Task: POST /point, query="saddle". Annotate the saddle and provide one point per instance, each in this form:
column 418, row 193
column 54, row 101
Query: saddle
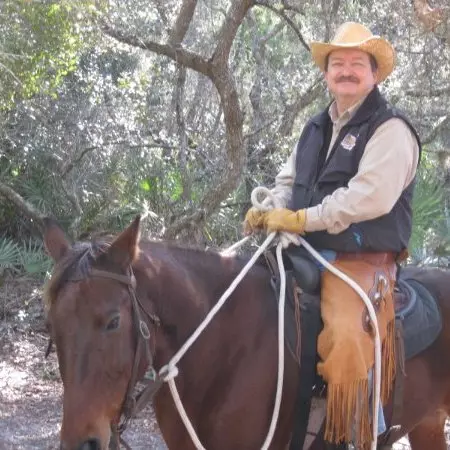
column 418, row 324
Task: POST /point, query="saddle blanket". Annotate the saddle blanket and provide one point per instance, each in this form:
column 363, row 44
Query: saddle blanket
column 421, row 317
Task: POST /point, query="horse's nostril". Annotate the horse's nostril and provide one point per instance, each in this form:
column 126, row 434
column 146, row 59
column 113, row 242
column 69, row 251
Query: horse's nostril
column 90, row 444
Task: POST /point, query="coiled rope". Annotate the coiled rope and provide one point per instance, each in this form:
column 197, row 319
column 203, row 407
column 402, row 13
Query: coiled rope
column 170, row 370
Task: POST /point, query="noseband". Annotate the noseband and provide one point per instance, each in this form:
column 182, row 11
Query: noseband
column 133, row 404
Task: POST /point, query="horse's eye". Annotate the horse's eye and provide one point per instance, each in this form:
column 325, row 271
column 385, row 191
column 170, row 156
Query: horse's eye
column 113, row 324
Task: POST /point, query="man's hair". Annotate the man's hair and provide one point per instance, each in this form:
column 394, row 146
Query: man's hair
column 373, row 62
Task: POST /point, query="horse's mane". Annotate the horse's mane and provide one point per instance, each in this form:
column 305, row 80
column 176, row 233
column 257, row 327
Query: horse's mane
column 75, row 265
column 78, row 262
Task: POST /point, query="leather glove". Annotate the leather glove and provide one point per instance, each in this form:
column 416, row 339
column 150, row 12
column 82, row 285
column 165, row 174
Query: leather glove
column 282, row 219
column 254, row 220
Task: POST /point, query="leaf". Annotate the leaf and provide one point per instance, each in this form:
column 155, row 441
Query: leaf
column 9, row 255
column 33, row 259
column 145, row 185
column 429, row 225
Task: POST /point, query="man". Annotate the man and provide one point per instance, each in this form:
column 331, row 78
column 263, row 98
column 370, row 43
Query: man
column 347, row 187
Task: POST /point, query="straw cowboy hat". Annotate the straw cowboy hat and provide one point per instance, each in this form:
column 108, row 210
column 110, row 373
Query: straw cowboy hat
column 355, row 35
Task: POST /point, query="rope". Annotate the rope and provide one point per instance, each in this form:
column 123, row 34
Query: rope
column 289, row 238
column 170, row 370
column 230, row 250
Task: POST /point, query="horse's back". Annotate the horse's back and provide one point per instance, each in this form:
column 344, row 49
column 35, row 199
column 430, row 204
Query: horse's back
column 427, row 386
column 436, row 280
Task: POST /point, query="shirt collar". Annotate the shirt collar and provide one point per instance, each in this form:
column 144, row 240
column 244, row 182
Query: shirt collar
column 347, row 114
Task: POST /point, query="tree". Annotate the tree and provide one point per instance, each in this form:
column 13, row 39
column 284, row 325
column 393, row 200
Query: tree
column 39, row 47
column 179, row 109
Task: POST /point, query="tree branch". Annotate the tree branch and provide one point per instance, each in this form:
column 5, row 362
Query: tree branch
column 182, row 56
column 443, row 123
column 258, row 130
column 182, row 23
column 25, row 208
column 73, row 199
column 295, row 6
column 436, row 92
column 181, row 129
column 429, row 17
column 217, row 69
column 227, row 33
column 223, row 80
column 292, row 110
column 283, row 15
column 191, row 221
column 158, row 143
column 443, row 150
column 260, row 78
column 76, row 160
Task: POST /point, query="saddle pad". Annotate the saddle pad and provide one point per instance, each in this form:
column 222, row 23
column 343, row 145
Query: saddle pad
column 422, row 322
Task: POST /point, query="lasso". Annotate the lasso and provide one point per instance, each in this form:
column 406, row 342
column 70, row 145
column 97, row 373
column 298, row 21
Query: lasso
column 170, row 370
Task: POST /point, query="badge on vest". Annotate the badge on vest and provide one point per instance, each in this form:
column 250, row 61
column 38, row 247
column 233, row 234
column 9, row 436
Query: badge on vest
column 349, row 141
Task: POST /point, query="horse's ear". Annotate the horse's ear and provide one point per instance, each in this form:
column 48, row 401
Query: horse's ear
column 55, row 240
column 124, row 249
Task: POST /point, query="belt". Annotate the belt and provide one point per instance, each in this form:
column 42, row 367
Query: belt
column 376, row 258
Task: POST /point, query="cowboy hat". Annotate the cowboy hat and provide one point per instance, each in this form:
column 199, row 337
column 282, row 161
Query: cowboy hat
column 356, row 36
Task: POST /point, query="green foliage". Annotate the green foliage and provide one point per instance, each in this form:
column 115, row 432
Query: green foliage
column 90, row 132
column 429, row 222
column 26, row 258
column 33, row 259
column 9, row 255
column 40, row 46
column 174, row 184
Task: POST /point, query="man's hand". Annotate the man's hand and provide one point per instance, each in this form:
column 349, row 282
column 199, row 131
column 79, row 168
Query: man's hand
column 282, row 219
column 254, row 220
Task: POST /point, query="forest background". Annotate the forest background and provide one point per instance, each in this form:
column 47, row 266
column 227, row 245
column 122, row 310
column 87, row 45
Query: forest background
column 177, row 109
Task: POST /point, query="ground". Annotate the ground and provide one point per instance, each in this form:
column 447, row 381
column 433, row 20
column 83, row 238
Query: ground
column 30, row 388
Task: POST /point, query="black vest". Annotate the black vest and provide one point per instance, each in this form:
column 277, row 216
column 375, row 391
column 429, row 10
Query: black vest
column 316, row 178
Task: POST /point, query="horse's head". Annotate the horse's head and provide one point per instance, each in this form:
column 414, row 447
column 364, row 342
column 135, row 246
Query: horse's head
column 91, row 316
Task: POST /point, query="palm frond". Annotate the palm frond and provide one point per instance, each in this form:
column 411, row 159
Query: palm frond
column 430, row 230
column 9, row 255
column 33, row 259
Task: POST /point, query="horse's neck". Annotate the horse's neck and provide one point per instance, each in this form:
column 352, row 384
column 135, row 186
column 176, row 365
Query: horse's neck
column 184, row 285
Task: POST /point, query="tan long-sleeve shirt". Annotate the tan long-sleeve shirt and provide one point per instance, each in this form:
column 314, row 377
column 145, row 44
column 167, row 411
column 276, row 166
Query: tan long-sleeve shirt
column 387, row 167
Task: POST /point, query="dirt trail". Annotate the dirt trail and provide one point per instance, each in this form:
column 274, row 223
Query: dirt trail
column 30, row 387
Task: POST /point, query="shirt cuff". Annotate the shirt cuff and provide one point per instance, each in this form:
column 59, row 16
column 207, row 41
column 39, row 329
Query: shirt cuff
column 313, row 220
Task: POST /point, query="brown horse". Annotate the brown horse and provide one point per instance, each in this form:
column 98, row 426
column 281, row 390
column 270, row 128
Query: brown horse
column 227, row 380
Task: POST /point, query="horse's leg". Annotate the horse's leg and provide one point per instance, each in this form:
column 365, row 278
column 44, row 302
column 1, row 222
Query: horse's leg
column 429, row 434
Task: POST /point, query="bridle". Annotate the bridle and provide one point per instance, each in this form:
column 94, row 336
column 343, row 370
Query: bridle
column 133, row 404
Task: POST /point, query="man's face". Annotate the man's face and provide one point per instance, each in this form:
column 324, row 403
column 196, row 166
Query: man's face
column 349, row 75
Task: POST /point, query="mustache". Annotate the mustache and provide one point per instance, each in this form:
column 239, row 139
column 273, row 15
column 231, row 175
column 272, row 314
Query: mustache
column 349, row 79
